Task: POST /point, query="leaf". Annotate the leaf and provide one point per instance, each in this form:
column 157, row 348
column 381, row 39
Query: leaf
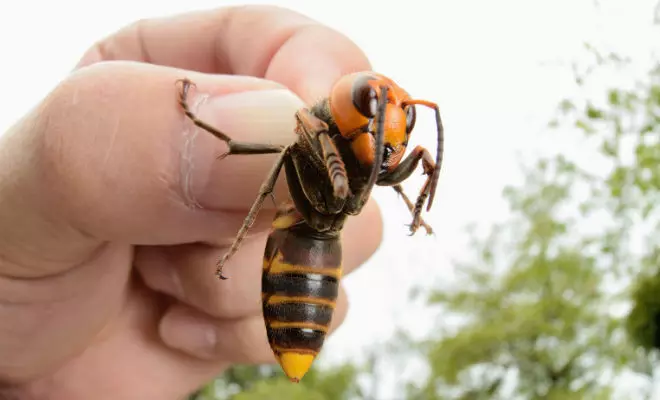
column 584, row 126
column 593, row 113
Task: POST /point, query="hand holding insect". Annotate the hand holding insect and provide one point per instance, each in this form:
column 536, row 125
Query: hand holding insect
column 104, row 270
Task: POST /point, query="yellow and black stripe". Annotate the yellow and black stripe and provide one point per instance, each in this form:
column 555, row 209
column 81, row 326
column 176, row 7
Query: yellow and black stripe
column 299, row 286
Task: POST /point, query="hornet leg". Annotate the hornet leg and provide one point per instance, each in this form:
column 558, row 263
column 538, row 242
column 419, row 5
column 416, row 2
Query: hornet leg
column 315, row 132
column 266, row 189
column 411, row 207
column 403, row 171
column 235, row 147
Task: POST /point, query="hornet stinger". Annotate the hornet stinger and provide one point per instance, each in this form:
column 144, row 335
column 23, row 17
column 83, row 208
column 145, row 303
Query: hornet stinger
column 346, row 143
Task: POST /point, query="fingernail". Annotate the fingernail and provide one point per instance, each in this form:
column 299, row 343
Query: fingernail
column 192, row 334
column 262, row 116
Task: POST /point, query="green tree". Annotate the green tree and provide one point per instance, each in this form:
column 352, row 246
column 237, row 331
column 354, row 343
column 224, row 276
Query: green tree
column 536, row 312
column 625, row 126
column 630, row 121
column 543, row 305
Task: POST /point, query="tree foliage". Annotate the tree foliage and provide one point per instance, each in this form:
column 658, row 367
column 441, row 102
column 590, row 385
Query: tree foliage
column 537, row 329
column 581, row 244
column 625, row 128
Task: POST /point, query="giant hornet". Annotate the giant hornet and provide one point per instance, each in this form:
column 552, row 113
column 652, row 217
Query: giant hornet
column 346, row 143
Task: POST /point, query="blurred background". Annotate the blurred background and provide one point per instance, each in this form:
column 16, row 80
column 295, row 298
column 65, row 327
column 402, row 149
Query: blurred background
column 542, row 280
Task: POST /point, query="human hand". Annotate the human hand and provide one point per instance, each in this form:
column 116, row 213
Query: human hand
column 113, row 208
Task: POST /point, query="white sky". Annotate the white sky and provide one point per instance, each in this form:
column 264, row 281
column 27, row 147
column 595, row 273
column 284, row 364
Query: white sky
column 497, row 69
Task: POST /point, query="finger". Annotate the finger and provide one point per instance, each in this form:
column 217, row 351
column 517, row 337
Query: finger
column 186, row 272
column 262, row 41
column 240, row 340
column 109, row 155
column 129, row 350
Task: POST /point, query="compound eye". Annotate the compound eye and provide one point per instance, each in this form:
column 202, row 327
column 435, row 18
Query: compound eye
column 365, row 99
column 411, row 117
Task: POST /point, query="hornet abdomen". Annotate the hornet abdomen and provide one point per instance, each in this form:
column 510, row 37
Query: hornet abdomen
column 299, row 286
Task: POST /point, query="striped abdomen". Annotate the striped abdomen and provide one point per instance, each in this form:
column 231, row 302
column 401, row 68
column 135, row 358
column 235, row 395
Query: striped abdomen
column 300, row 283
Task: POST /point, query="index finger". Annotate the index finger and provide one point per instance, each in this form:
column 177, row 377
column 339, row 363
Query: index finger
column 261, row 41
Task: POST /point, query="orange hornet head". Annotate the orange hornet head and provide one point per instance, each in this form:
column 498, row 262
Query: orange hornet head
column 354, row 104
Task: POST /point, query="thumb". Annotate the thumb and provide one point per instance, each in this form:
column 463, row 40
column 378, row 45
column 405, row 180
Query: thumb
column 110, row 156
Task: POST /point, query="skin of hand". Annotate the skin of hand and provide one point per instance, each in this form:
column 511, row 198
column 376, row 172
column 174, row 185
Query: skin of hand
column 114, row 208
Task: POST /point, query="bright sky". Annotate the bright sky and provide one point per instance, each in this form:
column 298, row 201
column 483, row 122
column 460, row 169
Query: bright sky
column 497, row 69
